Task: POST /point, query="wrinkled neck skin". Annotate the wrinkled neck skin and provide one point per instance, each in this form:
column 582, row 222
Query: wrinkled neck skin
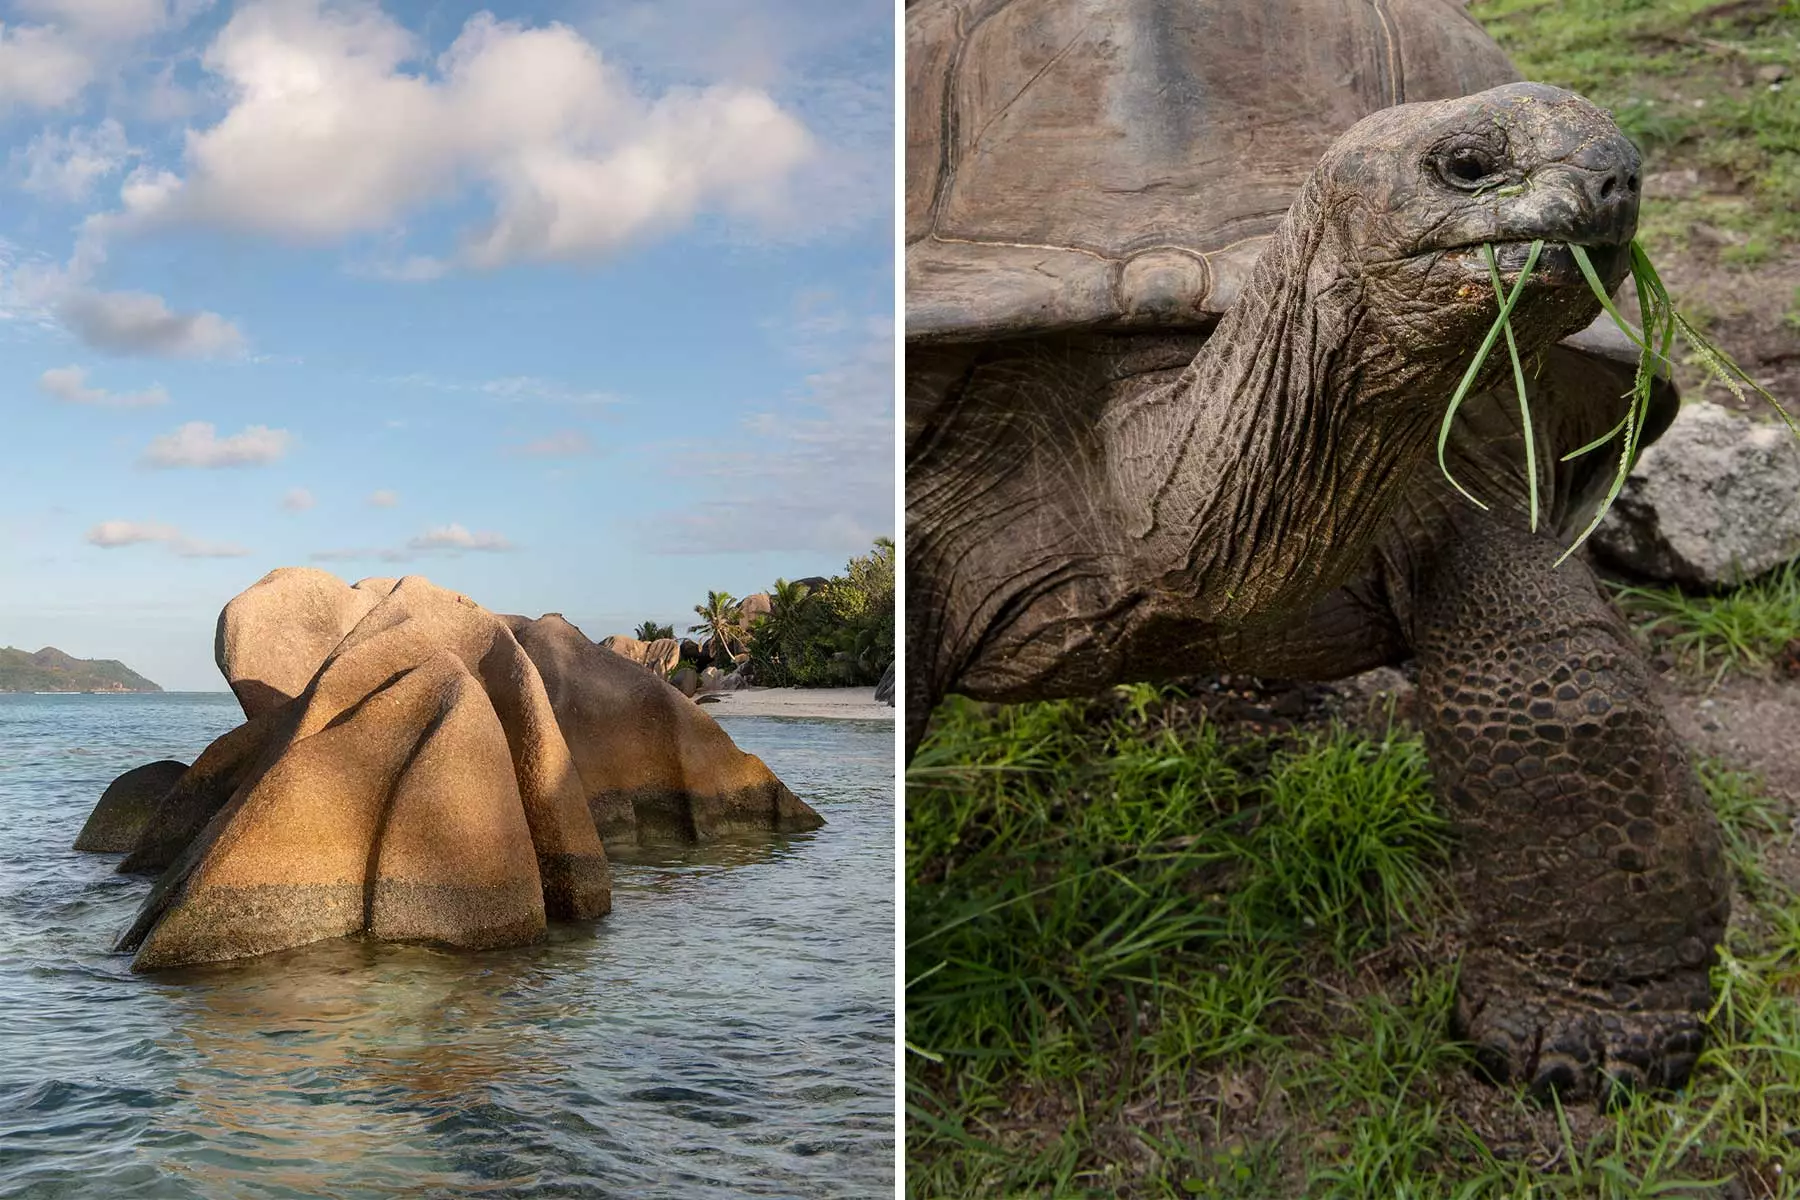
column 1257, row 480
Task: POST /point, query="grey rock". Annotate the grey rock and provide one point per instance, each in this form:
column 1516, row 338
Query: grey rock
column 884, row 690
column 1714, row 502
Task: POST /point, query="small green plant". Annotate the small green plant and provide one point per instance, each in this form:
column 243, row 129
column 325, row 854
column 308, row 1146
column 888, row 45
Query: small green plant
column 1744, row 629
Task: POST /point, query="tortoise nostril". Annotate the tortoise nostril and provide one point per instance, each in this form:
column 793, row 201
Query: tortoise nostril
column 1631, row 184
column 1606, row 189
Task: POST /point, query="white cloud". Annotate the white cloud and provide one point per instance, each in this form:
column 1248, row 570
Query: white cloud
column 197, row 444
column 67, row 165
column 111, row 535
column 141, row 323
column 455, row 537
column 41, row 67
column 298, row 500
column 69, row 384
column 384, row 498
column 49, row 63
column 564, row 443
column 359, row 554
column 330, row 134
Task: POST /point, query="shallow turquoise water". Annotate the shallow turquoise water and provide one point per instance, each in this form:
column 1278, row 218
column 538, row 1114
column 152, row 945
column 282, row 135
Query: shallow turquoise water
column 726, row 1031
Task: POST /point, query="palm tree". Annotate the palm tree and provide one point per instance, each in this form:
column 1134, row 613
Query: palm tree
column 718, row 618
column 650, row 631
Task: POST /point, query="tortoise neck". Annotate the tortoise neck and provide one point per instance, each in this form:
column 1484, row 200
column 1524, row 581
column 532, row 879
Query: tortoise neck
column 1257, row 479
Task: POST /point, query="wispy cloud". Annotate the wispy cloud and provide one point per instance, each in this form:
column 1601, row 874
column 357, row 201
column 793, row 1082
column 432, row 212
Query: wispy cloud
column 819, row 466
column 564, row 443
column 141, row 323
column 66, row 166
column 455, row 537
column 112, row 535
column 69, row 385
column 298, row 500
column 197, row 444
column 384, row 498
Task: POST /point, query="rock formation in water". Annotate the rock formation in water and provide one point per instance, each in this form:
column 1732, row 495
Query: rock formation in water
column 415, row 767
column 127, row 806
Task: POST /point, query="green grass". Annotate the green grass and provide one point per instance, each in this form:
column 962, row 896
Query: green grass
column 1148, row 959
column 1746, row 629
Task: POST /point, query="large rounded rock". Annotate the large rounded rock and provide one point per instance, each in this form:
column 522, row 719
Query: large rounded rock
column 657, row 769
column 127, row 806
column 685, row 680
column 1712, row 503
column 662, row 656
column 753, row 608
column 274, row 634
column 418, row 788
column 626, row 646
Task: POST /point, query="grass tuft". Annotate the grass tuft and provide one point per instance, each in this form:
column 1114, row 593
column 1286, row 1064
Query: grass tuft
column 1746, row 629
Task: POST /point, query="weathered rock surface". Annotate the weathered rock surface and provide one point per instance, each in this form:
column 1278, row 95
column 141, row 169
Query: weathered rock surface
column 420, row 788
column 443, row 774
column 710, row 679
column 198, row 795
column 685, row 680
column 657, row 769
column 752, row 607
column 1713, row 502
column 626, row 646
column 274, row 634
column 884, row 687
column 661, row 656
column 127, row 806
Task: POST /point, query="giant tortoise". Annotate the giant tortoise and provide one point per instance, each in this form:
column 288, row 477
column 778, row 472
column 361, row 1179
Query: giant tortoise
column 1188, row 288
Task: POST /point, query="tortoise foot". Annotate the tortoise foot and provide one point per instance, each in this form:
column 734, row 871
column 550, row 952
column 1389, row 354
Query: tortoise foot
column 1580, row 1042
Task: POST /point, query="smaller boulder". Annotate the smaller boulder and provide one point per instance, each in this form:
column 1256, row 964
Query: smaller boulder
column 127, row 806
column 1715, row 501
column 626, row 646
column 884, row 689
column 710, row 678
column 685, row 680
column 662, row 656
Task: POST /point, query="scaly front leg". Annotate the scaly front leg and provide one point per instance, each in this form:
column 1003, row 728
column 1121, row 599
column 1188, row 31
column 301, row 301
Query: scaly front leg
column 1591, row 864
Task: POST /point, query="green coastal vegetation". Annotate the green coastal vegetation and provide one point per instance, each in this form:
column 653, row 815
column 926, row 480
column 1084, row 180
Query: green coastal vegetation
column 820, row 632
column 50, row 670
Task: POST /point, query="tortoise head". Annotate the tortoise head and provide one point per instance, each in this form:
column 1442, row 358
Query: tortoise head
column 1410, row 196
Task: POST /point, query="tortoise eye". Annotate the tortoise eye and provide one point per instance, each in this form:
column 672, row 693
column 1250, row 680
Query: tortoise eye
column 1466, row 167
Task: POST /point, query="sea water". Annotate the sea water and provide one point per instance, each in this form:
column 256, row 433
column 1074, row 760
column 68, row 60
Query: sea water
column 726, row 1031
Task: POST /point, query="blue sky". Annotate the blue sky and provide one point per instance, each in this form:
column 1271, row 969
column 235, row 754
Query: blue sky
column 581, row 307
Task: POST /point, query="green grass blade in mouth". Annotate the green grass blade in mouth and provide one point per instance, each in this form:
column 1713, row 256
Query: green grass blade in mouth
column 1468, row 380
column 1593, row 278
column 1662, row 323
column 1512, row 349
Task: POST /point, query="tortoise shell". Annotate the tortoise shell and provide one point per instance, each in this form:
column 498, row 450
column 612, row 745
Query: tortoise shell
column 1119, row 163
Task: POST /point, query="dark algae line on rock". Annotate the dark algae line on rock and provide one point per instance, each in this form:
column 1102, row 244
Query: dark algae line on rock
column 51, row 670
column 416, row 768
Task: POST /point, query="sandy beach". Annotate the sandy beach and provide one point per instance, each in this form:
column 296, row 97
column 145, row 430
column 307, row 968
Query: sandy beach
column 850, row 704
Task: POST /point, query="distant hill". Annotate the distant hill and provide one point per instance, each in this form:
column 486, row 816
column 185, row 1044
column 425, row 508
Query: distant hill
column 50, row 670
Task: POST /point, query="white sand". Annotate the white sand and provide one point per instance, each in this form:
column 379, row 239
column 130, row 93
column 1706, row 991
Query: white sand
column 854, row 704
